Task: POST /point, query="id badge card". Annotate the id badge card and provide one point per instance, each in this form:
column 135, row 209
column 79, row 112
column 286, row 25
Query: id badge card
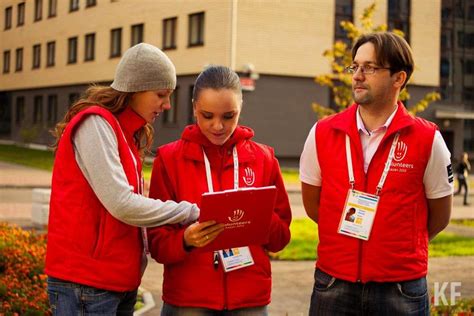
column 358, row 214
column 236, row 258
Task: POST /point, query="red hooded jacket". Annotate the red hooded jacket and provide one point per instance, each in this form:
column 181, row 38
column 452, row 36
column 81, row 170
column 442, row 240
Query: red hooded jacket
column 397, row 249
column 190, row 278
column 86, row 244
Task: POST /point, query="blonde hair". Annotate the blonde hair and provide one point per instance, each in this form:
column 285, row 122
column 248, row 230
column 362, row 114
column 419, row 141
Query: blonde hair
column 112, row 100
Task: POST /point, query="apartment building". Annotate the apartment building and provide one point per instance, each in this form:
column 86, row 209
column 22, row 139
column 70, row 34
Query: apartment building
column 457, row 73
column 53, row 49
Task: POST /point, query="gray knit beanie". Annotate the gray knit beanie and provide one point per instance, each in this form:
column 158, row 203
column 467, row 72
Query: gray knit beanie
column 144, row 67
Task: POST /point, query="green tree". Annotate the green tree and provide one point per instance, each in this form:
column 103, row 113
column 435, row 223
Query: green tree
column 340, row 57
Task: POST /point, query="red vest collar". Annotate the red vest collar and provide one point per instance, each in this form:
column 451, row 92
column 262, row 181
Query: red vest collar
column 346, row 122
column 130, row 121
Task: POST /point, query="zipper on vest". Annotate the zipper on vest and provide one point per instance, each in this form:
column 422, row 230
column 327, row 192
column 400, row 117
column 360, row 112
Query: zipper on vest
column 361, row 242
column 225, row 291
column 359, row 266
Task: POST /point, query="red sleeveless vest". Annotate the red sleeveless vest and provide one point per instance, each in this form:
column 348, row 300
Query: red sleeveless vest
column 86, row 244
column 398, row 246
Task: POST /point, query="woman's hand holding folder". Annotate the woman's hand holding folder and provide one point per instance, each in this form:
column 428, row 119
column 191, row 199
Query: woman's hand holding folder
column 201, row 234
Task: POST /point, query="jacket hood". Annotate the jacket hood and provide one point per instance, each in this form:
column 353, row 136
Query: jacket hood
column 193, row 134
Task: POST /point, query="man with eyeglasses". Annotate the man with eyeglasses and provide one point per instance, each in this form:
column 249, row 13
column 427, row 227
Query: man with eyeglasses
column 395, row 171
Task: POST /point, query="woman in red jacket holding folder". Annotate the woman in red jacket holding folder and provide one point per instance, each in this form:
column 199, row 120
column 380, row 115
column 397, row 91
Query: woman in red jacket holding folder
column 213, row 155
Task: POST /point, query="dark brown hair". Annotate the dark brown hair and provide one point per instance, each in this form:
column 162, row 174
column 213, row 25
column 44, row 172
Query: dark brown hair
column 216, row 77
column 391, row 50
column 112, row 100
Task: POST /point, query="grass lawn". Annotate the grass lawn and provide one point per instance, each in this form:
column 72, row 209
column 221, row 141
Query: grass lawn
column 44, row 160
column 39, row 159
column 463, row 222
column 304, row 239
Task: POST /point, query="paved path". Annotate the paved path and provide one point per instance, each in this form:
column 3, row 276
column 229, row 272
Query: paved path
column 292, row 281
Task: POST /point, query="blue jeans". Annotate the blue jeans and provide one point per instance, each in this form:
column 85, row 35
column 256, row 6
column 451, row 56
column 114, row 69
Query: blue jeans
column 171, row 310
column 68, row 298
column 332, row 296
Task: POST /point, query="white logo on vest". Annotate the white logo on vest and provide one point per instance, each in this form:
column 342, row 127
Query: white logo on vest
column 249, row 177
column 400, row 151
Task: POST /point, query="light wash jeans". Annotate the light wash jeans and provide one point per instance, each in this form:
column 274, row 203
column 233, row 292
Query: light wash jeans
column 68, row 298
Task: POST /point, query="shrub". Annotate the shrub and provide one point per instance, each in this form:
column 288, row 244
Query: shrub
column 22, row 280
column 463, row 307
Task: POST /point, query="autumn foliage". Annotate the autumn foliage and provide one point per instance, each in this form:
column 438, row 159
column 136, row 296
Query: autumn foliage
column 339, row 56
column 22, row 280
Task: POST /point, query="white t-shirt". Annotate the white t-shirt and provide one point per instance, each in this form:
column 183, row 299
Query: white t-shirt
column 438, row 183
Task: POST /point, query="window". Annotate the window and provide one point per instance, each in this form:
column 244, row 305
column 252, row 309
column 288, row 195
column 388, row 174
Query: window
column 38, row 10
column 91, row 3
column 6, row 61
column 53, row 4
column 36, row 56
column 116, row 42
column 460, row 39
column 90, row 47
column 444, row 68
column 169, row 33
column 196, row 29
column 170, row 117
column 73, row 98
column 344, row 12
column 51, row 51
column 470, row 14
column 19, row 59
column 446, row 13
column 73, row 5
column 72, row 50
column 459, row 9
column 21, row 14
column 8, row 18
column 468, row 94
column 469, row 66
column 469, row 135
column 399, row 16
column 20, row 110
column 137, row 34
column 446, row 39
column 190, row 105
column 469, row 40
column 52, row 109
column 38, row 110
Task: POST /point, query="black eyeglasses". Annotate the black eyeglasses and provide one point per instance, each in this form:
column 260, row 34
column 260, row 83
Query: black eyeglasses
column 365, row 69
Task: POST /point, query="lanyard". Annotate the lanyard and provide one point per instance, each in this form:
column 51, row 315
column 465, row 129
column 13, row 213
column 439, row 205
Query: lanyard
column 385, row 170
column 210, row 187
column 135, row 164
column 140, row 186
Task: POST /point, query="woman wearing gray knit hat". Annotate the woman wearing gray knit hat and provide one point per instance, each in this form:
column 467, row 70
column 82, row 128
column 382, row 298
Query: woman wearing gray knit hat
column 95, row 256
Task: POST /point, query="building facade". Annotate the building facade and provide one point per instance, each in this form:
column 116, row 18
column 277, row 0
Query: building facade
column 457, row 72
column 53, row 49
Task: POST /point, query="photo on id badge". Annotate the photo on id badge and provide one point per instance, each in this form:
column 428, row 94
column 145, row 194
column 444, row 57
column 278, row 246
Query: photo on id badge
column 350, row 215
column 229, row 252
